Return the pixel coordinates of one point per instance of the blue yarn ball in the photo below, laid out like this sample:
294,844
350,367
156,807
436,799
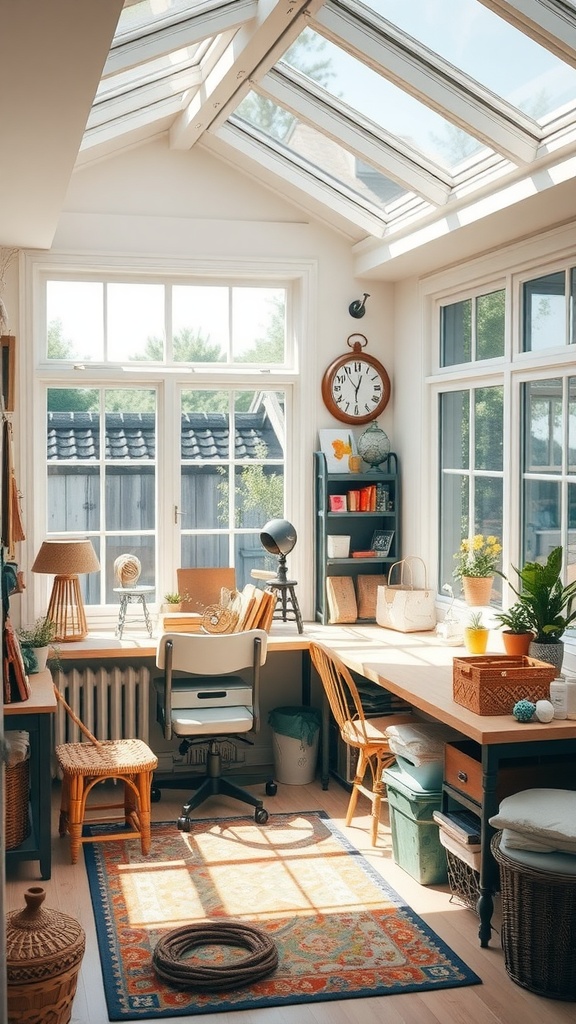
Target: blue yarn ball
523,710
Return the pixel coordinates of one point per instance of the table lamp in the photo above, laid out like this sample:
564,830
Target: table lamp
278,536
65,559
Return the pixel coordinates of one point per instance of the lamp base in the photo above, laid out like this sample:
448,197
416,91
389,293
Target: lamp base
66,610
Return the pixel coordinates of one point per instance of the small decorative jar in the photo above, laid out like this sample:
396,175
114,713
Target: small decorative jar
374,445
44,951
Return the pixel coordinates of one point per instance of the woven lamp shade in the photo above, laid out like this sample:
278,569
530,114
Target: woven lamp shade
65,559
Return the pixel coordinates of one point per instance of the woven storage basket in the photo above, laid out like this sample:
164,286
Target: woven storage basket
17,819
538,926
491,685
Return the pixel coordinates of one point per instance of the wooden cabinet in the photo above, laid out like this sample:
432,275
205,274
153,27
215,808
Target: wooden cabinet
359,525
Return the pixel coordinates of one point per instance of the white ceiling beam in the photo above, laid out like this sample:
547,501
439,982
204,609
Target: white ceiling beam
253,51
431,80
271,165
357,134
209,20
547,22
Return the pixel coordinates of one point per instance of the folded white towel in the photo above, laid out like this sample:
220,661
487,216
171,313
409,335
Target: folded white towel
422,743
17,746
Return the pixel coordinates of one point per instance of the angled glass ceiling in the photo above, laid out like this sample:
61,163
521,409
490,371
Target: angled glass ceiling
389,113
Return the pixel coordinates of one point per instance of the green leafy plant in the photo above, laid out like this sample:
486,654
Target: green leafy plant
475,621
548,603
173,598
40,634
478,556
516,619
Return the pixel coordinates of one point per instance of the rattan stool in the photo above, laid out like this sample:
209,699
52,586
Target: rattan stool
85,765
538,920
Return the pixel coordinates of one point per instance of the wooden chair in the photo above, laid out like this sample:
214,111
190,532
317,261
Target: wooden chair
85,765
367,735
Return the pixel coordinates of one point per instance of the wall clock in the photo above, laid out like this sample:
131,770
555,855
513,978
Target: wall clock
356,387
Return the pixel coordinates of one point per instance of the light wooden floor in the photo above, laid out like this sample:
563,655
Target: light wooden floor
498,999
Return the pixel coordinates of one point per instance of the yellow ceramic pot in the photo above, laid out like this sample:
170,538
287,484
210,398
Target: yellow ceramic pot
475,640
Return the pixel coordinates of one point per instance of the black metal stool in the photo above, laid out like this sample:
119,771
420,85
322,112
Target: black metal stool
287,593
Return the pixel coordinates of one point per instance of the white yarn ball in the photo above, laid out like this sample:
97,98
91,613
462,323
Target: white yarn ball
544,711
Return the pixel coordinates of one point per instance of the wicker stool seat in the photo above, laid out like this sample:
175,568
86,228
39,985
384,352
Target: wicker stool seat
538,919
85,765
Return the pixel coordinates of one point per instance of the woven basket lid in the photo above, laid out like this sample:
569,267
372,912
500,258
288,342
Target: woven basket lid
41,943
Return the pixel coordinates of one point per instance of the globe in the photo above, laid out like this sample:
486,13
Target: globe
374,445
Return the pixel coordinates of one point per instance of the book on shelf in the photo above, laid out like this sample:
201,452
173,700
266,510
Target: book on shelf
364,554
353,499
462,825
181,622
338,503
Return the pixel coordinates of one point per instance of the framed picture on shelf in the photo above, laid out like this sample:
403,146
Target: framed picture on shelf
338,502
382,541
337,445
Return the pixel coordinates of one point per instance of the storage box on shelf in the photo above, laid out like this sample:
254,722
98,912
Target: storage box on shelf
354,505
491,685
415,843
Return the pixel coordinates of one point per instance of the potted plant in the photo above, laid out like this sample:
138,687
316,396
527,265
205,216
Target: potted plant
477,559
174,602
476,634
517,634
38,638
549,606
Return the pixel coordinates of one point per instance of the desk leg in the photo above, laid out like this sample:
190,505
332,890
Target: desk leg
325,773
44,795
490,762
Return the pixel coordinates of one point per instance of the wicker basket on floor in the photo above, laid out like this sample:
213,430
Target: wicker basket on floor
17,819
538,926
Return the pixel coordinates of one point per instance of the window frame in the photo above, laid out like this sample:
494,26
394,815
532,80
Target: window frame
295,379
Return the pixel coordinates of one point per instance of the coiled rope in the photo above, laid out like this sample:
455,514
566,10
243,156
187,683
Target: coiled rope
196,972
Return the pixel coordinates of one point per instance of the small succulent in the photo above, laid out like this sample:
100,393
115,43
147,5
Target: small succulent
173,598
524,710
475,621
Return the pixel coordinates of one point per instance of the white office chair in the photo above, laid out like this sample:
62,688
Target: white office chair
210,702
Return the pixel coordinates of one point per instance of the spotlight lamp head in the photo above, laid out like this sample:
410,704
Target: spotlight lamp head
279,537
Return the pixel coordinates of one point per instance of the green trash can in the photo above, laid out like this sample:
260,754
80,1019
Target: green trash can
416,842
295,736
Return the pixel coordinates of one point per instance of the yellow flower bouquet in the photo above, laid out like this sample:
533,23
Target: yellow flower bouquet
478,556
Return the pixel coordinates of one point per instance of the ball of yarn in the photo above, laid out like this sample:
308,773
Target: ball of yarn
544,710
523,710
127,569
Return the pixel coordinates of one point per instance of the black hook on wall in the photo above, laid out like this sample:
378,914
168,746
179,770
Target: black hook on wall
358,307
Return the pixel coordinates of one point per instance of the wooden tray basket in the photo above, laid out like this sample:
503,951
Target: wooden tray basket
17,820
491,685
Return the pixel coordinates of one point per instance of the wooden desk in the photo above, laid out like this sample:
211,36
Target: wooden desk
34,716
418,668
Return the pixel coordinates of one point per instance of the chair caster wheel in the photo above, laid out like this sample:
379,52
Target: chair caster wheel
261,815
184,824
271,789
155,795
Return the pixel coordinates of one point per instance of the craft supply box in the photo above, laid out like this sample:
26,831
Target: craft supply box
491,685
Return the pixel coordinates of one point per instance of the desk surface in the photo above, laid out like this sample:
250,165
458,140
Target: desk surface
41,701
415,666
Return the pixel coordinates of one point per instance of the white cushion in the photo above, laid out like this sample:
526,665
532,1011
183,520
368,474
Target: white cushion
421,743
211,721
547,816
521,841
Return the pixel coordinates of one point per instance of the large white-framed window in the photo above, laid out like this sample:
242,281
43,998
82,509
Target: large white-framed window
504,391
167,411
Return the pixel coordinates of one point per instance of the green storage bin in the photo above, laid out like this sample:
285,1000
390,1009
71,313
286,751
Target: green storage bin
415,836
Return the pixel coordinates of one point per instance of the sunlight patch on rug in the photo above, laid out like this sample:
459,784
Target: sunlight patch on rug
340,930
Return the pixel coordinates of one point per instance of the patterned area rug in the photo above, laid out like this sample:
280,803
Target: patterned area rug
340,930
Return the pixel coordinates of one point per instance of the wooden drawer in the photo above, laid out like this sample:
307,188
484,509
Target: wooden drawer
462,768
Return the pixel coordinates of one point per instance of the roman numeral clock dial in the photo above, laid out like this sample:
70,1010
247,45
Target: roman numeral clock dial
356,387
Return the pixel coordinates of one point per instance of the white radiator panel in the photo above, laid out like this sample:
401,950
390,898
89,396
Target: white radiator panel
112,702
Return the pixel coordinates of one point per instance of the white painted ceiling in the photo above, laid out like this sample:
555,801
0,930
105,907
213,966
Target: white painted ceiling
421,130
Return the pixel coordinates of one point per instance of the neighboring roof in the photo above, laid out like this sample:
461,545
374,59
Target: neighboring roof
75,436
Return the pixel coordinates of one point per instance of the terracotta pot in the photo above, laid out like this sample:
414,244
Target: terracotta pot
475,640
477,590
516,643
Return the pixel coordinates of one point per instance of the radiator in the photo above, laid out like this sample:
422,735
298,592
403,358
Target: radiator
112,702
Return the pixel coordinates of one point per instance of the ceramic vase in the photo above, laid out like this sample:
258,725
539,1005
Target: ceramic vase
552,653
475,640
477,590
41,657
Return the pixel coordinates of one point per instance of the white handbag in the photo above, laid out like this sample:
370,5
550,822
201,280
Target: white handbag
404,607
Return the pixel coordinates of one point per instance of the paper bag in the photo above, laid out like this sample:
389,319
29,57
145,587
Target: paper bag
402,606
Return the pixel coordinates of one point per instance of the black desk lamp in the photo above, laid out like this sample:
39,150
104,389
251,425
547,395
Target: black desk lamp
279,537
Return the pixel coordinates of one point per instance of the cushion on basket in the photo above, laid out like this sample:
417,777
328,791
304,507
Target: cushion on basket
544,817
555,862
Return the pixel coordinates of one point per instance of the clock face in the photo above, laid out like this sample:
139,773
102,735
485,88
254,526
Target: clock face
356,389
